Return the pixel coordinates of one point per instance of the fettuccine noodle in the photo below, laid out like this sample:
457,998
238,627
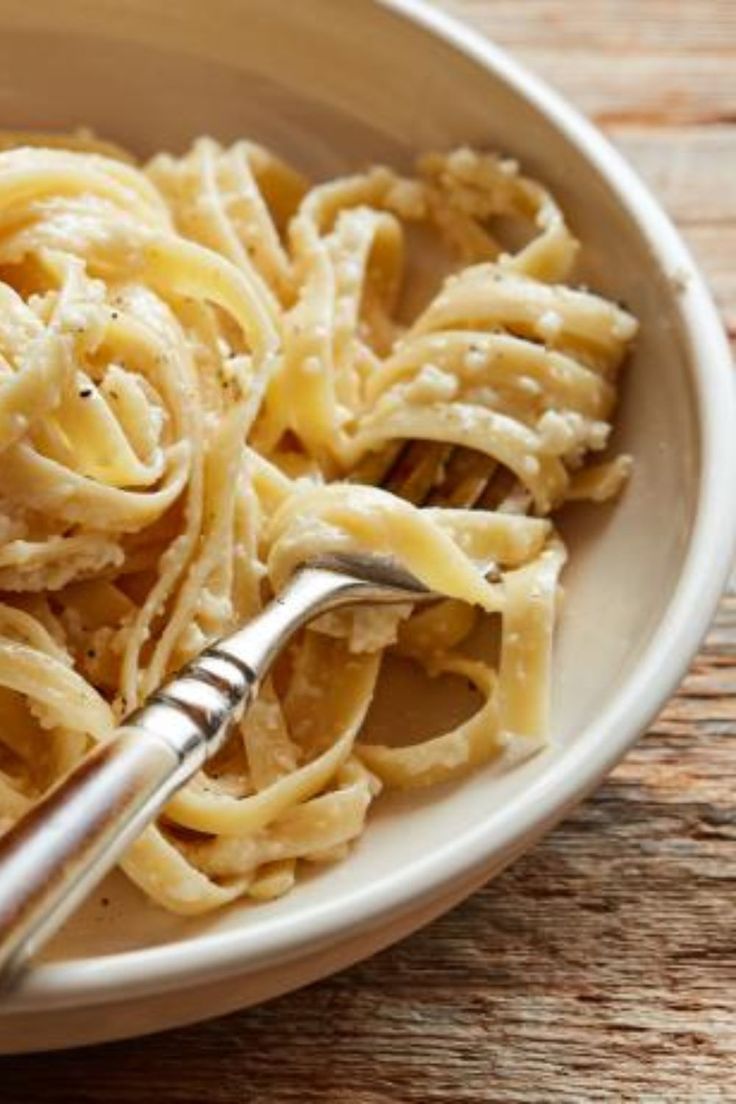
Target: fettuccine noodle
210,371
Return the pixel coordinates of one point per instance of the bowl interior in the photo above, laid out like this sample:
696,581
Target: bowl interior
333,86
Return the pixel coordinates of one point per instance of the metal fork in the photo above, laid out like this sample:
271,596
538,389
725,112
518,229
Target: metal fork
56,854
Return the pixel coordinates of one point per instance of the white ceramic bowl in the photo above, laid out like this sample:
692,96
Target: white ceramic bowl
334,84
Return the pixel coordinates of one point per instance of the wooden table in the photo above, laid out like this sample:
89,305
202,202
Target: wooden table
602,966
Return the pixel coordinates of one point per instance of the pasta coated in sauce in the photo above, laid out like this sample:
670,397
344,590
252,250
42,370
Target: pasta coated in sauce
209,373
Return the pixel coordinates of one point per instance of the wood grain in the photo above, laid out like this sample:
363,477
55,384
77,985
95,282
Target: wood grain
602,966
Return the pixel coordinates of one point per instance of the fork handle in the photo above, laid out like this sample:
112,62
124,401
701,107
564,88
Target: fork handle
58,852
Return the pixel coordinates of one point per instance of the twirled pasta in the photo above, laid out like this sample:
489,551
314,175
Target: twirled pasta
208,375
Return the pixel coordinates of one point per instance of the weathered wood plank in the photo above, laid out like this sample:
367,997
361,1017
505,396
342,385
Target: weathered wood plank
658,89
638,61
690,169
605,26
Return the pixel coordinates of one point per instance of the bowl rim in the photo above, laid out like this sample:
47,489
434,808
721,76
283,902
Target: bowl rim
208,957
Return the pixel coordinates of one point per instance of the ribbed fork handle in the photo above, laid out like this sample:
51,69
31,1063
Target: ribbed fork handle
56,854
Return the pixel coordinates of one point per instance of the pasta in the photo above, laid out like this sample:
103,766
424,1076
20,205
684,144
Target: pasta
212,370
